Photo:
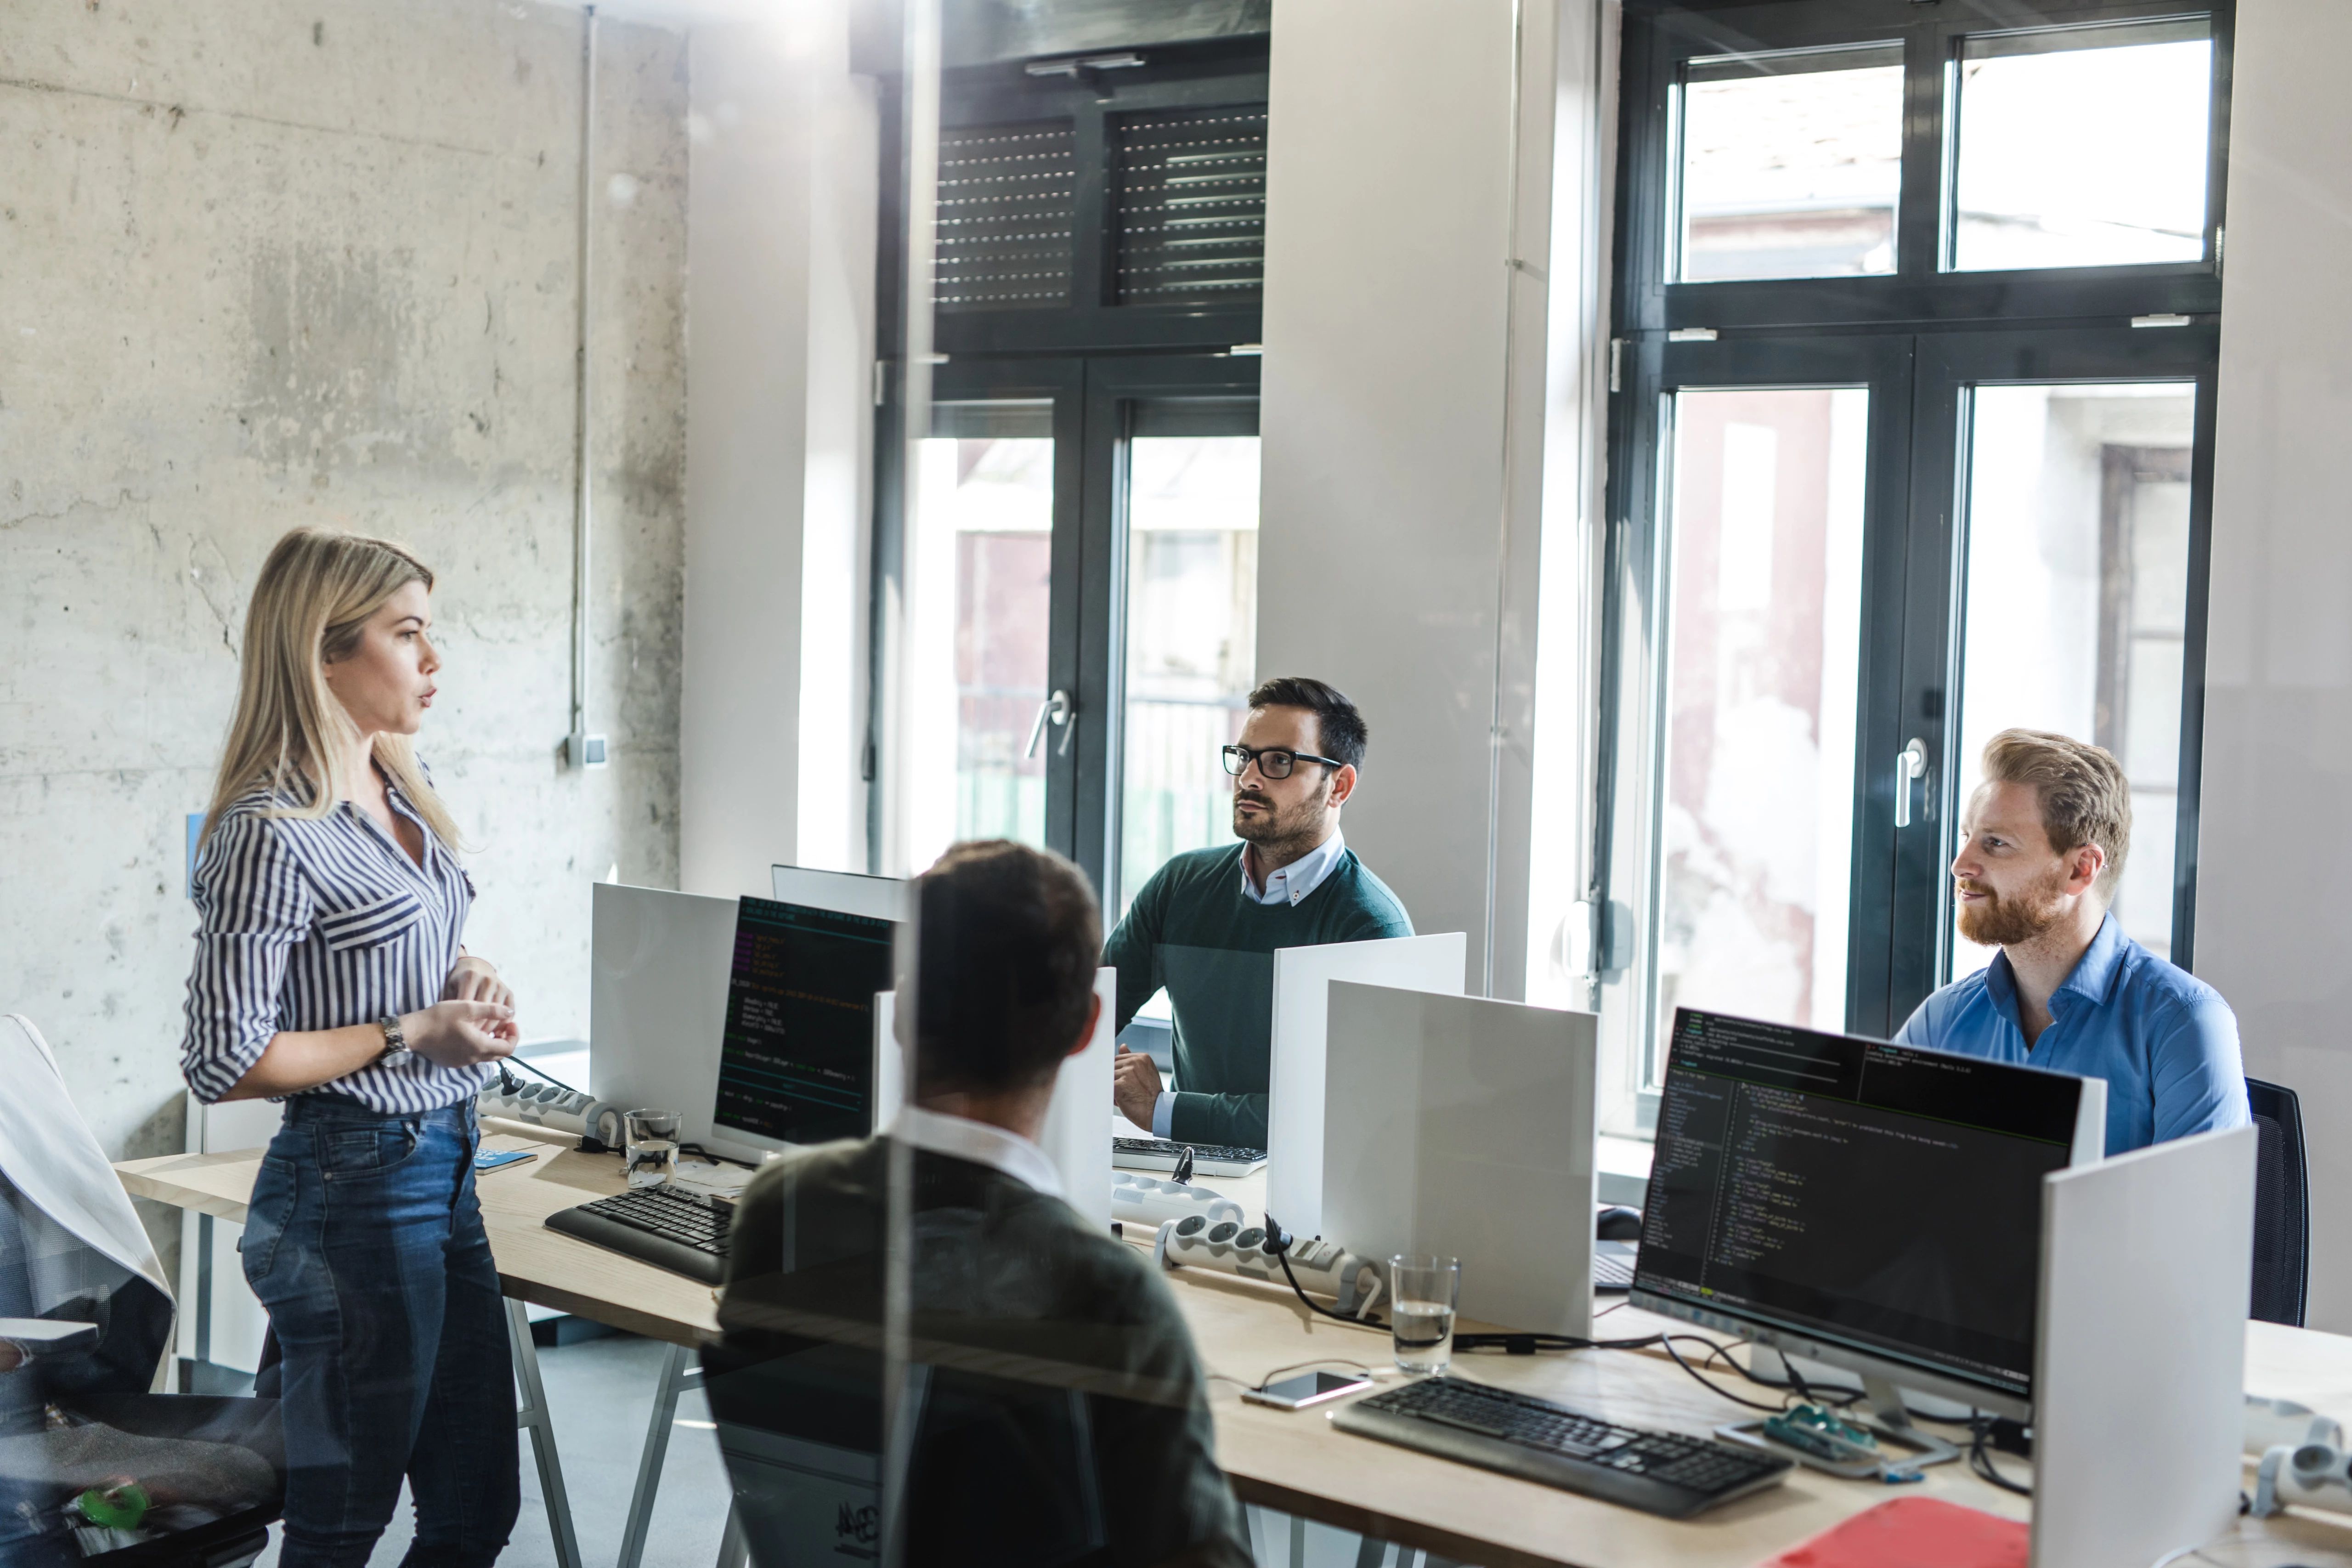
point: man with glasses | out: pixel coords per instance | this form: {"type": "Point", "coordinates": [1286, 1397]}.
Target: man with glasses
{"type": "Point", "coordinates": [1206, 926]}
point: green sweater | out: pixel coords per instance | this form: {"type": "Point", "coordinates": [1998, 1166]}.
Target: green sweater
{"type": "Point", "coordinates": [1193, 930]}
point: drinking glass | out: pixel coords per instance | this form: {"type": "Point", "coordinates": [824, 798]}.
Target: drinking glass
{"type": "Point", "coordinates": [1422, 1291]}
{"type": "Point", "coordinates": [652, 1142]}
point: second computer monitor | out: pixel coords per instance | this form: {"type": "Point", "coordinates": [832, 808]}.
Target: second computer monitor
{"type": "Point", "coordinates": [796, 1062]}
{"type": "Point", "coordinates": [1873, 1206]}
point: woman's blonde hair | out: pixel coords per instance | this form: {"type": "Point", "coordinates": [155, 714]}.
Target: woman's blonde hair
{"type": "Point", "coordinates": [290, 734]}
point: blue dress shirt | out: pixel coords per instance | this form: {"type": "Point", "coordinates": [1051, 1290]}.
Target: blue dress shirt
{"type": "Point", "coordinates": [2164, 1040]}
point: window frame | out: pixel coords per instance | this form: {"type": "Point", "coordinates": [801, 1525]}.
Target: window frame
{"type": "Point", "coordinates": [2059, 323]}
{"type": "Point", "coordinates": [1063, 351]}
{"type": "Point", "coordinates": [1660, 38]}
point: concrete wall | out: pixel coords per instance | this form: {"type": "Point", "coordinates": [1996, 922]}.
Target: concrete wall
{"type": "Point", "coordinates": [779, 460]}
{"type": "Point", "coordinates": [1398, 554]}
{"type": "Point", "coordinates": [264, 264]}
{"type": "Point", "coordinates": [2274, 851]}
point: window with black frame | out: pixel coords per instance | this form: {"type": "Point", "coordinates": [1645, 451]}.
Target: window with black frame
{"type": "Point", "coordinates": [1916, 318]}
{"type": "Point", "coordinates": [1080, 558]}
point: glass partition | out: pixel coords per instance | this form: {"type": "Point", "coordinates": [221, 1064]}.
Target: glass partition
{"type": "Point", "coordinates": [1763, 636]}
{"type": "Point", "coordinates": [980, 590]}
{"type": "Point", "coordinates": [2078, 584]}
{"type": "Point", "coordinates": [2081, 146]}
{"type": "Point", "coordinates": [1192, 642]}
{"type": "Point", "coordinates": [1791, 165]}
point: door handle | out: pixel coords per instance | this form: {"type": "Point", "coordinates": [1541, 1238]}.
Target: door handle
{"type": "Point", "coordinates": [1058, 709]}
{"type": "Point", "coordinates": [1910, 765]}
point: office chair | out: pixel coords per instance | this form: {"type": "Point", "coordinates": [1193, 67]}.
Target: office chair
{"type": "Point", "coordinates": [72, 1249]}
{"type": "Point", "coordinates": [999, 1470]}
{"type": "Point", "coordinates": [2281, 1206]}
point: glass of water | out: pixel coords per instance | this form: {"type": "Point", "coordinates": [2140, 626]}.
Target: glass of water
{"type": "Point", "coordinates": [651, 1139]}
{"type": "Point", "coordinates": [1422, 1295]}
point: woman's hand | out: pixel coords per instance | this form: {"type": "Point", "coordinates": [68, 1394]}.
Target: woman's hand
{"type": "Point", "coordinates": [461, 1033]}
{"type": "Point", "coordinates": [476, 980]}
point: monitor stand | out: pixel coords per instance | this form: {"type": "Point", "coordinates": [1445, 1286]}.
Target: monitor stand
{"type": "Point", "coordinates": [1891, 1418]}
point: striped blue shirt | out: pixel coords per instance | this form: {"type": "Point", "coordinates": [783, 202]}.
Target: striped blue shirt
{"type": "Point", "coordinates": [319, 924]}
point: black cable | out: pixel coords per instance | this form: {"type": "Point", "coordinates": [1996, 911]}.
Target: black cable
{"type": "Point", "coordinates": [535, 1072]}
{"type": "Point", "coordinates": [1667, 1342]}
{"type": "Point", "coordinates": [699, 1153]}
{"type": "Point", "coordinates": [1277, 1241]}
{"type": "Point", "coordinates": [1980, 1456]}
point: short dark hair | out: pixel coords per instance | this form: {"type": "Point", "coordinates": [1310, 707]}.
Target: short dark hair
{"type": "Point", "coordinates": [1338, 729]}
{"type": "Point", "coordinates": [1007, 942]}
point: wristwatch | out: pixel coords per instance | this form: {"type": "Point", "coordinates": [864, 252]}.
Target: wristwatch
{"type": "Point", "coordinates": [395, 1044]}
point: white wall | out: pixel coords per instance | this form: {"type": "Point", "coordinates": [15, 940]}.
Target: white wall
{"type": "Point", "coordinates": [2274, 852]}
{"type": "Point", "coordinates": [1387, 563]}
{"type": "Point", "coordinates": [780, 260]}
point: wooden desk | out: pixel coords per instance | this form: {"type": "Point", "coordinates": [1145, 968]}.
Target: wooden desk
{"type": "Point", "coordinates": [1295, 1461]}
{"type": "Point", "coordinates": [542, 1266]}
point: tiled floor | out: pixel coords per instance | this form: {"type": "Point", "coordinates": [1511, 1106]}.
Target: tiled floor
{"type": "Point", "coordinates": [602, 1392]}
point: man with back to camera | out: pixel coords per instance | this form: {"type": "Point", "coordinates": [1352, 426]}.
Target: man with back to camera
{"type": "Point", "coordinates": [1207, 924]}
{"type": "Point", "coordinates": [2042, 845]}
{"type": "Point", "coordinates": [1049, 1370]}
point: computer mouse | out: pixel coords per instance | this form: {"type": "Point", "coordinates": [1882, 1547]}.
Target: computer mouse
{"type": "Point", "coordinates": [1617, 1223]}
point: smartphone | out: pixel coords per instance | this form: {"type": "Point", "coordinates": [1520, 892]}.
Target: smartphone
{"type": "Point", "coordinates": [1306, 1389]}
{"type": "Point", "coordinates": [491, 1159]}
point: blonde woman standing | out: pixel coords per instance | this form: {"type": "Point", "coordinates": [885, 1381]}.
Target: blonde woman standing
{"type": "Point", "coordinates": [330, 972]}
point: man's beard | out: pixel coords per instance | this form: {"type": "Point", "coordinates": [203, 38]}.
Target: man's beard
{"type": "Point", "coordinates": [2005, 923]}
{"type": "Point", "coordinates": [1278, 830]}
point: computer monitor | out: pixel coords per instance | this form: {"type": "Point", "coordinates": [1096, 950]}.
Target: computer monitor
{"type": "Point", "coordinates": [849, 892]}
{"type": "Point", "coordinates": [1875, 1206]}
{"type": "Point", "coordinates": [796, 1059]}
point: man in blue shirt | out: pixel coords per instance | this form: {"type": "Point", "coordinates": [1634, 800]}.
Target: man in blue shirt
{"type": "Point", "coordinates": [2042, 845]}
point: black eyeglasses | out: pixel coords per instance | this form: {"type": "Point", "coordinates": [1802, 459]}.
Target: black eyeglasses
{"type": "Point", "coordinates": [1274, 761]}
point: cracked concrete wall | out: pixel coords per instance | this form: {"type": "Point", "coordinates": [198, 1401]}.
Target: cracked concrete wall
{"type": "Point", "coordinates": [264, 263]}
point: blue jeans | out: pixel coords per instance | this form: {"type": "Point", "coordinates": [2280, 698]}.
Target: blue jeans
{"type": "Point", "coordinates": [364, 1241]}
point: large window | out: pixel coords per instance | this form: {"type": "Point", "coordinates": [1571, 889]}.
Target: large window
{"type": "Point", "coordinates": [1915, 322]}
{"type": "Point", "coordinates": [1076, 544]}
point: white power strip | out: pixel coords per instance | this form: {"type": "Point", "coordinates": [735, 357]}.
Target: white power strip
{"type": "Point", "coordinates": [1148, 1202]}
{"type": "Point", "coordinates": [552, 1107]}
{"type": "Point", "coordinates": [1355, 1284]}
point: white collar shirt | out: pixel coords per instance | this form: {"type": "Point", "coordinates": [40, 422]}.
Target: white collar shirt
{"type": "Point", "coordinates": [1299, 878]}
{"type": "Point", "coordinates": [961, 1138]}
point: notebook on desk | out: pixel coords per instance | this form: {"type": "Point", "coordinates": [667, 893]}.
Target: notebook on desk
{"type": "Point", "coordinates": [1914, 1532]}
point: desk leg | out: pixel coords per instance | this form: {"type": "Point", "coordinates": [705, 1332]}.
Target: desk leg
{"type": "Point", "coordinates": [534, 1416]}
{"type": "Point", "coordinates": [677, 1371]}
{"type": "Point", "coordinates": [734, 1550]}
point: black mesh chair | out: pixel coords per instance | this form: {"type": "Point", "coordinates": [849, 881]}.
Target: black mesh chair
{"type": "Point", "coordinates": [2281, 1206]}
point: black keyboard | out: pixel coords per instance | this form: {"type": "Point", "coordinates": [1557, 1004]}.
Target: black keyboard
{"type": "Point", "coordinates": [1613, 1266]}
{"type": "Point", "coordinates": [667, 1226]}
{"type": "Point", "coordinates": [1165, 1154]}
{"type": "Point", "coordinates": [1658, 1472]}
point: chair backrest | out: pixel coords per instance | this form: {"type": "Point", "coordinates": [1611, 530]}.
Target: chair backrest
{"type": "Point", "coordinates": [2281, 1206]}
{"type": "Point", "coordinates": [999, 1470]}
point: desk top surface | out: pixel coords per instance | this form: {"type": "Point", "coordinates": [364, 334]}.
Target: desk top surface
{"type": "Point", "coordinates": [1295, 1461]}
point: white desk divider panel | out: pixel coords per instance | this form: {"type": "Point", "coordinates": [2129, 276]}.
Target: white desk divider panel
{"type": "Point", "coordinates": [1300, 1046]}
{"type": "Point", "coordinates": [657, 968]}
{"type": "Point", "coordinates": [221, 1321]}
{"type": "Point", "coordinates": [2139, 1358]}
{"type": "Point", "coordinates": [1464, 1126]}
{"type": "Point", "coordinates": [1074, 1136]}
{"type": "Point", "coordinates": [846, 892]}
